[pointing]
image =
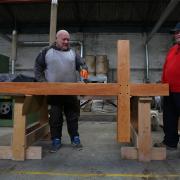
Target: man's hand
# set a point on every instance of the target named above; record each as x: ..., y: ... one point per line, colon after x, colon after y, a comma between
x: 84, y: 73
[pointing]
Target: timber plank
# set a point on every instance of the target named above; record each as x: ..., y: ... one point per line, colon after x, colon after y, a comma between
x: 34, y: 152
x: 149, y: 89
x: 37, y: 134
x: 123, y: 62
x: 144, y: 129
x: 95, y: 89
x: 123, y: 115
x: 19, y: 141
x: 44, y: 88
x: 132, y: 153
x: 5, y: 152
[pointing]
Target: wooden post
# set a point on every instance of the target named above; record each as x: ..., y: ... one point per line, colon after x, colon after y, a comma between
x: 19, y: 141
x: 53, y: 21
x: 144, y: 129
x: 143, y: 150
x: 123, y: 122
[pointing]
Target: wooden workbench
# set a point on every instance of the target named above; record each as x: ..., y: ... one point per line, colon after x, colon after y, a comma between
x: 123, y: 89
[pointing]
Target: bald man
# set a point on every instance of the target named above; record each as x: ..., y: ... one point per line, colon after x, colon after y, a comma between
x: 59, y: 63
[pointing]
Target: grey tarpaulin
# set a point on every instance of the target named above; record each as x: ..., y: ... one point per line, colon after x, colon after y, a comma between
x: 16, y: 78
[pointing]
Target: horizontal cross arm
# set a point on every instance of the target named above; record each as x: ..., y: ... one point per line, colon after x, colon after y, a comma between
x: 99, y: 89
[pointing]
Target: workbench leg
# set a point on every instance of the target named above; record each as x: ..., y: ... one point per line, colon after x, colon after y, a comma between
x: 144, y: 129
x: 143, y: 150
x: 18, y: 139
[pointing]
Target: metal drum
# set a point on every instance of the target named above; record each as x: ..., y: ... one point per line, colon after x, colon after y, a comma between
x: 91, y: 63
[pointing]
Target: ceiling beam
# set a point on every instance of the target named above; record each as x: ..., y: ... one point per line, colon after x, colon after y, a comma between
x: 165, y: 14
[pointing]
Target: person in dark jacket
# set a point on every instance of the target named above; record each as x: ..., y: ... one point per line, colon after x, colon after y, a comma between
x: 171, y: 103
x: 59, y: 63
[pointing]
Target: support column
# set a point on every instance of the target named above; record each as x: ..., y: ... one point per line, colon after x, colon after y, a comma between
x: 19, y: 127
x: 144, y: 129
x: 53, y: 21
x: 13, y: 51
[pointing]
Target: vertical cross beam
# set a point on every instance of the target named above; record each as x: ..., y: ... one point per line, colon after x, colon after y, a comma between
x: 123, y: 78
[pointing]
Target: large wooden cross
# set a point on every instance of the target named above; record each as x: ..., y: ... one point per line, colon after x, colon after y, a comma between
x: 123, y: 89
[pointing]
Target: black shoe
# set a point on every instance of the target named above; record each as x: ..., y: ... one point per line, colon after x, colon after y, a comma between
x: 56, y: 144
x: 162, y: 144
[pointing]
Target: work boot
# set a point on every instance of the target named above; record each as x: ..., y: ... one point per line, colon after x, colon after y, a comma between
x: 76, y: 142
x: 162, y: 144
x: 56, y: 144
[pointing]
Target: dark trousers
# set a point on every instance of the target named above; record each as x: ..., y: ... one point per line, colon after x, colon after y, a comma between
x: 171, y: 113
x: 71, y: 107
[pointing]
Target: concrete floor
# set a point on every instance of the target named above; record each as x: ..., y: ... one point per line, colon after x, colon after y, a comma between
x: 98, y: 159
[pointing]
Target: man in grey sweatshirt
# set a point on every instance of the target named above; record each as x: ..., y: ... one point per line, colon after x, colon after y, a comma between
x: 59, y: 63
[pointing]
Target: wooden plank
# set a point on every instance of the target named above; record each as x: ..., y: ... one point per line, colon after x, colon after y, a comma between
x: 32, y: 127
x: 5, y: 152
x: 35, y: 88
x: 19, y: 142
x: 158, y: 153
x: 149, y: 89
x: 123, y: 121
x: 144, y: 130
x: 123, y: 56
x: 132, y: 153
x: 129, y: 153
x: 123, y: 115
x: 109, y: 89
x: 37, y: 134
x: 34, y: 152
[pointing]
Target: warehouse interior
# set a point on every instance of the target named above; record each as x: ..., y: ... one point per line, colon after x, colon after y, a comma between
x: 95, y: 27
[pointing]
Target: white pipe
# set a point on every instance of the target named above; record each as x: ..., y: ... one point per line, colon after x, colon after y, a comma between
x: 53, y: 21
x: 14, y: 51
x: 147, y: 63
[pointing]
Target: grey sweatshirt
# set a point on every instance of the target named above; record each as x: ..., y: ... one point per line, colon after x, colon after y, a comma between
x: 55, y: 65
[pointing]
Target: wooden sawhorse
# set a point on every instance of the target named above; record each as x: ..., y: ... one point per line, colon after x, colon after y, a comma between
x: 23, y: 136
x: 141, y: 133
